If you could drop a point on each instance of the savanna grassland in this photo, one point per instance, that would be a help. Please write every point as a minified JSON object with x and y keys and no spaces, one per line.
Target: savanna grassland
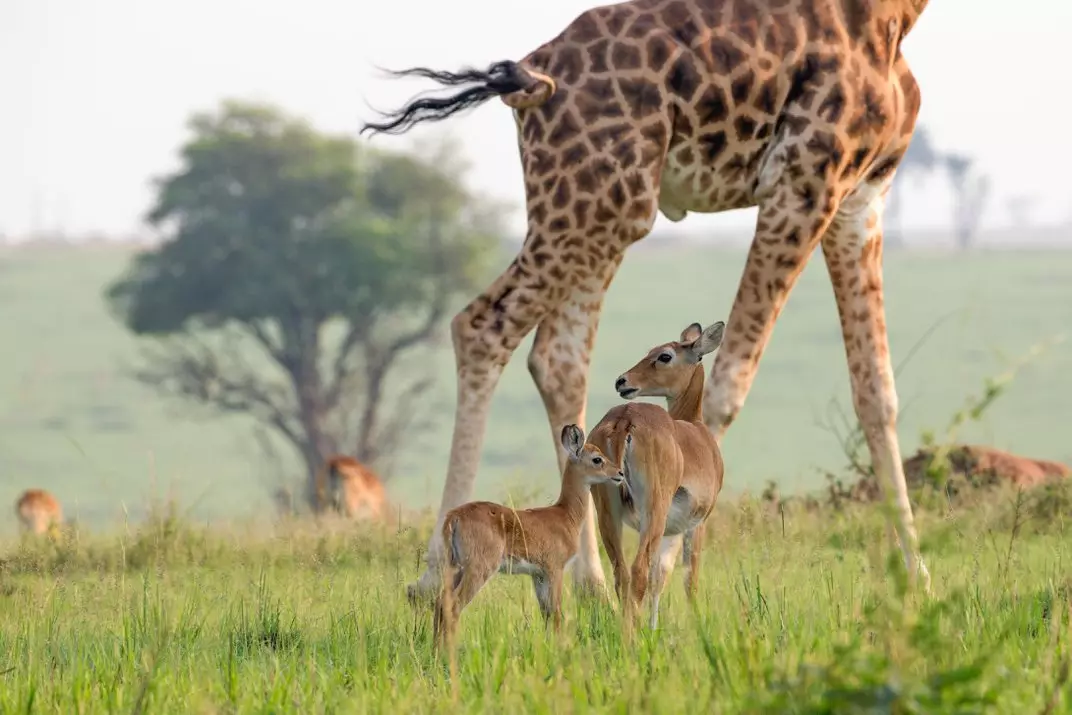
{"x":799,"y":610}
{"x":73,"y":422}
{"x":796,"y":613}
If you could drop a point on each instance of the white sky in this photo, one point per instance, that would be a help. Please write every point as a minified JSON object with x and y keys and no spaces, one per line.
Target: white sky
{"x":94,"y":94}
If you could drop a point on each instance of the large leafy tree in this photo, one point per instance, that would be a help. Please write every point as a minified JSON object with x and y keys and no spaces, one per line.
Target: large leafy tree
{"x":297,"y":271}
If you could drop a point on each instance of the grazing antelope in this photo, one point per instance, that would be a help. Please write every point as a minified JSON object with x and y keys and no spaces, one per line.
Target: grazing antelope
{"x":39,"y":512}
{"x":353,"y":489}
{"x":673,"y":467}
{"x":483,"y":538}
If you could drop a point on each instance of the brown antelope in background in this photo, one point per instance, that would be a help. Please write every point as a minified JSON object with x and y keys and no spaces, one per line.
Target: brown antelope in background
{"x":483,"y":538}
{"x":39,"y":512}
{"x":352,"y":488}
{"x":673,"y":467}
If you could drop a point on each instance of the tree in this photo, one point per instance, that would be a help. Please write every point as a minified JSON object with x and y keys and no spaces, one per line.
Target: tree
{"x":970,"y":193}
{"x":297,"y":271}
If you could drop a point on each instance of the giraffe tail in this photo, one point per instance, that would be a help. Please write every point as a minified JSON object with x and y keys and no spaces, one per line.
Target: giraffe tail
{"x":518,"y":86}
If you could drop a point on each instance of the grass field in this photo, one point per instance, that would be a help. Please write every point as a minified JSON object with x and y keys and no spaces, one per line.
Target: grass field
{"x":72,"y":422}
{"x":797,"y":611}
{"x":794,"y":615}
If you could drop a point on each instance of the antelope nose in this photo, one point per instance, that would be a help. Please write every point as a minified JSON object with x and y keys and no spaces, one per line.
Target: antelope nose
{"x":621,"y":473}
{"x":620,"y":383}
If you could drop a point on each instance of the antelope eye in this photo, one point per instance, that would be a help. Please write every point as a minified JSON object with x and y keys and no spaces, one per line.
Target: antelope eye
{"x":597,"y":460}
{"x":665,"y":358}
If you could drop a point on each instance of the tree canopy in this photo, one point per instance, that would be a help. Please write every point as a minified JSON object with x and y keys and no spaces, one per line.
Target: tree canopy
{"x":318,"y":258}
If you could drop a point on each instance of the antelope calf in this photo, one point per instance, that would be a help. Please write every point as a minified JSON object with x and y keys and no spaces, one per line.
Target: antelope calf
{"x":483,"y":538}
{"x":39,"y":512}
{"x":673,"y":467}
{"x":353,"y":489}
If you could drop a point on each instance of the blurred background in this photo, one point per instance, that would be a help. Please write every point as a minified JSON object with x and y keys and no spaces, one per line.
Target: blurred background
{"x":304,"y":310}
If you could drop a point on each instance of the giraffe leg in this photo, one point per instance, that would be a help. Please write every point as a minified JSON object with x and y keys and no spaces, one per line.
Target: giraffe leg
{"x":792,"y":219}
{"x":852,"y":248}
{"x":559,"y":362}
{"x":485,"y":335}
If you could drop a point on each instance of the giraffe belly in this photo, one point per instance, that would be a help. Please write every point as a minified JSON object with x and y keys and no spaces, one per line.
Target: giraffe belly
{"x":686,"y":187}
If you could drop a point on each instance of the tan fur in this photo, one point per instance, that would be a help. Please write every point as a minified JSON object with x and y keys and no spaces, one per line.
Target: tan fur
{"x":989,"y":464}
{"x":351,"y":488}
{"x":803,"y":109}
{"x":483,"y":538}
{"x":673,"y":466}
{"x":39,"y":512}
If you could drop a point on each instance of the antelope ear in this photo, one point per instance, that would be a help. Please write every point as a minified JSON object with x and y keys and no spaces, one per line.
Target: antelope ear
{"x":573,"y":440}
{"x":691,"y":333}
{"x":707,"y":342}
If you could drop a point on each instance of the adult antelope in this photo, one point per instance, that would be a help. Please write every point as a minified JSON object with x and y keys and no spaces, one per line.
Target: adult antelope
{"x":483,"y":538}
{"x":673,"y":467}
{"x":39,"y":512}
{"x":352,"y":488}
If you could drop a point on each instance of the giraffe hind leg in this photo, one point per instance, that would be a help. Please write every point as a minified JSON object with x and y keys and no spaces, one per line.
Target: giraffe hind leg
{"x":852,"y":250}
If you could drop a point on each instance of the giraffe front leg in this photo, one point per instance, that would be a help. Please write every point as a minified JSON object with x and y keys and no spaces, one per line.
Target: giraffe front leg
{"x":853,"y":252}
{"x":559,"y":364}
{"x":792,"y":218}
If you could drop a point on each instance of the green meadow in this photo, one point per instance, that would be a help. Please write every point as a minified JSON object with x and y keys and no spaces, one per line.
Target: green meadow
{"x":72,"y":421}
{"x":172,"y":593}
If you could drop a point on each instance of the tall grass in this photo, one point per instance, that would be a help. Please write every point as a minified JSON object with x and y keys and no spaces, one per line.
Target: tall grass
{"x":798,"y":611}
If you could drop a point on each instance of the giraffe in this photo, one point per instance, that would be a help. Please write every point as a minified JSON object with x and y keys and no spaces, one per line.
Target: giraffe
{"x":800,"y":108}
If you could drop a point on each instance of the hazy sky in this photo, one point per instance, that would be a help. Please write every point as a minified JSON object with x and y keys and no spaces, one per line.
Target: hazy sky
{"x":95,"y":93}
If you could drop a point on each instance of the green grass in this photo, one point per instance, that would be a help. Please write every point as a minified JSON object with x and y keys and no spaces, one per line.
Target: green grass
{"x":71,"y":421}
{"x":793,"y":616}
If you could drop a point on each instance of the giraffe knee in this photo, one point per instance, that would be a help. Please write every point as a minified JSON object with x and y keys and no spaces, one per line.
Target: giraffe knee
{"x":876,"y":409}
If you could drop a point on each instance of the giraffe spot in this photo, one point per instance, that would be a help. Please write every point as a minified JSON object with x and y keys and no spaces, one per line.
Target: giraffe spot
{"x":713,"y":145}
{"x":723,"y":56}
{"x":833,"y":105}
{"x":566,"y":129}
{"x":541,"y":162}
{"x":617,"y":194}
{"x":764,"y":130}
{"x":858,"y":158}
{"x":746,"y":127}
{"x":884,"y":168}
{"x":680,"y":22}
{"x":766,"y":98}
{"x":559,"y":224}
{"x":586,"y":181}
{"x":658,"y":53}
{"x":580,"y":212}
{"x":567,"y":65}
{"x":685,"y":157}
{"x":806,"y":195}
{"x":584,"y":28}
{"x":712,"y":106}
{"x":742,"y":87}
{"x":561,"y":198}
{"x":793,"y":237}
{"x":574,"y":155}
{"x":781,"y":38}
{"x":615,"y":18}
{"x":625,"y":56}
{"x":683,"y":79}
{"x":735,"y":169}
{"x":641,"y":95}
{"x":596,"y":100}
{"x":746,"y":26}
{"x":603,"y":169}
{"x":640,"y":27}
{"x":603,"y":214}
{"x":532,"y":129}
{"x":826,"y":148}
{"x":597,"y":56}
{"x":872,"y":114}
{"x":635,"y":185}
{"x":538,"y":212}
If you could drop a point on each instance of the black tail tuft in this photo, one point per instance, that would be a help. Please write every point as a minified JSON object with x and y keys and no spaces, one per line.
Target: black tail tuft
{"x":497,"y":80}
